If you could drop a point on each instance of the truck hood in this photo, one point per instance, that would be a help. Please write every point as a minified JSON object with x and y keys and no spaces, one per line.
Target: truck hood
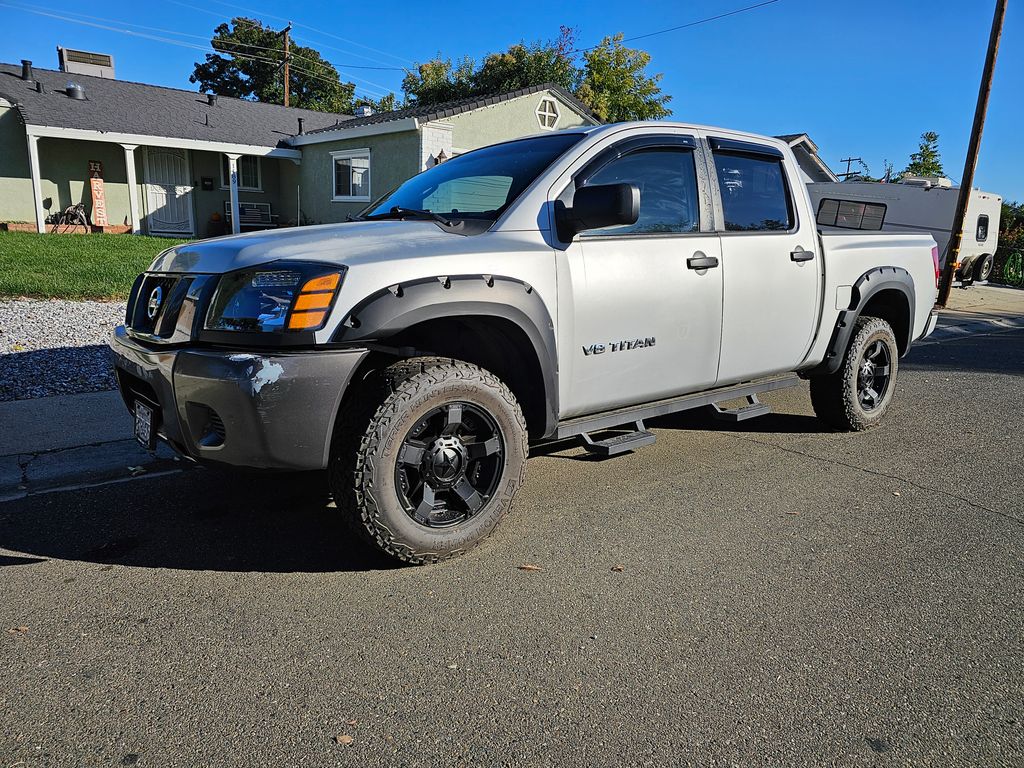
{"x":348,"y":244}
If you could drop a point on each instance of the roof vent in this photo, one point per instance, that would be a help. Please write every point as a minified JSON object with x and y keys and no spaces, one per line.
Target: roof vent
{"x":75,"y":91}
{"x":77,"y":62}
{"x":39,"y":87}
{"x":300,"y":126}
{"x":364,"y":111}
{"x":26,"y":70}
{"x":211,"y":99}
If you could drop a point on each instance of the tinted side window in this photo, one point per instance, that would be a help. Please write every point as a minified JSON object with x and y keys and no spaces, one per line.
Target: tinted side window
{"x":982,"y":234}
{"x":851,"y":214}
{"x":668,"y":190}
{"x":754,"y":194}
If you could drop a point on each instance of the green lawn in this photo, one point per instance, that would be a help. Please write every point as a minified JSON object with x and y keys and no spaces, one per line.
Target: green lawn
{"x":74,"y":266}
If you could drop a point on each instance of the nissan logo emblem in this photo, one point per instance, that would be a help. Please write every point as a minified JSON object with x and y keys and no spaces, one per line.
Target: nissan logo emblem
{"x":155,"y":299}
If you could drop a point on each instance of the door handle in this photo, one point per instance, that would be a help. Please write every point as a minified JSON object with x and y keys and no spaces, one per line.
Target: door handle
{"x":801,"y":255}
{"x":700,"y":261}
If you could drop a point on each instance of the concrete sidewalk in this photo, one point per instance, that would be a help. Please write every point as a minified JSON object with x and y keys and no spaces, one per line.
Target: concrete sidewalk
{"x":60,"y":442}
{"x":979,"y":309}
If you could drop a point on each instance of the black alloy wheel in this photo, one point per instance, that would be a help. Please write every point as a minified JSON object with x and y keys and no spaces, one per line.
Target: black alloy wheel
{"x":449,"y":464}
{"x":873,"y":375}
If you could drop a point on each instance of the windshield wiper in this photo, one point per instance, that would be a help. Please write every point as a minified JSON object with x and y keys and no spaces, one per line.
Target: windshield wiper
{"x":399,"y":212}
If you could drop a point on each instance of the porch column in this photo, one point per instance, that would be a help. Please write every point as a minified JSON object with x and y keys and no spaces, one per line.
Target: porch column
{"x":133,"y":186}
{"x":236,"y":225}
{"x":37,"y":184}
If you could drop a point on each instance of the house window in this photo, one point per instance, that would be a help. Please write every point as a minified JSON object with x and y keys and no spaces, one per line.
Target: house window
{"x":351,"y":176}
{"x":547,"y":114}
{"x":249,"y":179}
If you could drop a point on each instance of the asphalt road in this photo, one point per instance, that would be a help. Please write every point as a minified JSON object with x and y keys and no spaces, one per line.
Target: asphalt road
{"x":788,"y":596}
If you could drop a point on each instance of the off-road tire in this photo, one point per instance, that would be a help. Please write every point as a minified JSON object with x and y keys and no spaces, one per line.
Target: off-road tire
{"x":835,"y":396}
{"x":369,"y":434}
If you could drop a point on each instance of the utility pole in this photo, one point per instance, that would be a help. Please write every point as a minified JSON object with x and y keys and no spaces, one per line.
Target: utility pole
{"x":967,"y":180}
{"x":849,"y":160}
{"x":287,"y":83}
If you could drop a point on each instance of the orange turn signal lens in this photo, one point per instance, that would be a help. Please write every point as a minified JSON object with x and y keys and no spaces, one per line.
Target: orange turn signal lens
{"x":325,"y":283}
{"x":310,"y":309}
{"x":313,"y":301}
{"x":304,"y":321}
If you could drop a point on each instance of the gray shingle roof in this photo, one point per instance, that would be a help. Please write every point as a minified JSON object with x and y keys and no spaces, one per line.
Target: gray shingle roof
{"x":121,"y":106}
{"x":430,"y":112}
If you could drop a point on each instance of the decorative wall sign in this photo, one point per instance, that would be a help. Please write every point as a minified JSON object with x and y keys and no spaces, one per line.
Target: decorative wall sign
{"x":99,"y":199}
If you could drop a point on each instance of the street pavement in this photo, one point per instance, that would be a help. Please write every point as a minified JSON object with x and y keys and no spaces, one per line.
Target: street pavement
{"x":766,"y":593}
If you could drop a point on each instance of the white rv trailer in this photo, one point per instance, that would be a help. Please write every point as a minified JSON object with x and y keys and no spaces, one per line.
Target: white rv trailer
{"x":915,"y":204}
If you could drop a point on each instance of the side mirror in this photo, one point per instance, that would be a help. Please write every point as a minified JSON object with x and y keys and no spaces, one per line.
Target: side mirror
{"x":603,"y":205}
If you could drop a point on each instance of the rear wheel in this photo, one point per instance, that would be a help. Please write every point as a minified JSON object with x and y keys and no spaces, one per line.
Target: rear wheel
{"x":426,"y":461}
{"x":983,"y":268}
{"x":857,"y":396}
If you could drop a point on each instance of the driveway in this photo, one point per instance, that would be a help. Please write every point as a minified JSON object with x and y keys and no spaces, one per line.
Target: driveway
{"x":761,"y":593}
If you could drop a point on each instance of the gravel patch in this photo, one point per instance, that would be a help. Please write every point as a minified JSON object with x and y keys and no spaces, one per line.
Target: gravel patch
{"x":55,"y":347}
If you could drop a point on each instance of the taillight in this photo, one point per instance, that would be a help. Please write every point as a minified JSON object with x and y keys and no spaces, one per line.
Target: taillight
{"x":935,"y":261}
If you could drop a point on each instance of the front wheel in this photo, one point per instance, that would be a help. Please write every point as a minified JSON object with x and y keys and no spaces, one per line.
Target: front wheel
{"x":856,"y":397}
{"x":428,"y":459}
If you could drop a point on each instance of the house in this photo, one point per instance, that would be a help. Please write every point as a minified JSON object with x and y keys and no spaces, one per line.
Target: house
{"x":177,"y":162}
{"x":806,"y":151}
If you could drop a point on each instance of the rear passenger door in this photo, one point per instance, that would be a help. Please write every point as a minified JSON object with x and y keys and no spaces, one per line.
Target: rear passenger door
{"x":771,"y":270}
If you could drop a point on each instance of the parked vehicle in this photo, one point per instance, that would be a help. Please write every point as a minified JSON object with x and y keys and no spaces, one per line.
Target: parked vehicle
{"x":559,"y":286}
{"x":919,"y":204}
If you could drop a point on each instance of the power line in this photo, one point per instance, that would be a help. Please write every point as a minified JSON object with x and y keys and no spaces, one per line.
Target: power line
{"x":684,"y":26}
{"x":303,"y":26}
{"x":205,"y":48}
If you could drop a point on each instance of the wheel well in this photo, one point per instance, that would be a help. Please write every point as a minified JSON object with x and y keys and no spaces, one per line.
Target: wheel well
{"x":892,"y":306}
{"x":493,"y":343}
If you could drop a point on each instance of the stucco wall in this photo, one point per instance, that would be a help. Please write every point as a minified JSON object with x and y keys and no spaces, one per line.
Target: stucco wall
{"x":280,"y":196}
{"x":64,"y":171}
{"x":508,"y":120}
{"x":15,"y":186}
{"x":393,"y":159}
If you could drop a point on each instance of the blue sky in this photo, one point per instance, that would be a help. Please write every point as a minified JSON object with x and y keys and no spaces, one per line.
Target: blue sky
{"x":862,"y":78}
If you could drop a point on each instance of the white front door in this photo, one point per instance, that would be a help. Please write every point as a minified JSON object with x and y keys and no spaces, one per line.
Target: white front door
{"x":169,"y":192}
{"x":645,"y":298}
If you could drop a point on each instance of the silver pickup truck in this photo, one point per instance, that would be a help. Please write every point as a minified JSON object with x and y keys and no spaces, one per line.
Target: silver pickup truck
{"x":567,"y":285}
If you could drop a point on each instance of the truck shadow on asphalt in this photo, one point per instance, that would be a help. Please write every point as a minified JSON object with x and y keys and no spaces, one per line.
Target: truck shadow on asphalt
{"x":196,"y":520}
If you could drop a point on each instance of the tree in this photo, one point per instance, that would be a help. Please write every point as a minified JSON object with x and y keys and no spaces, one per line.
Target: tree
{"x":439,"y":80}
{"x":610,"y":78}
{"x":926,"y":161}
{"x":615,"y":84}
{"x":248,"y":64}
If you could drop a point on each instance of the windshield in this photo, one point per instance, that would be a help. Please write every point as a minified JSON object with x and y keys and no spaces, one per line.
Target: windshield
{"x":477,"y":185}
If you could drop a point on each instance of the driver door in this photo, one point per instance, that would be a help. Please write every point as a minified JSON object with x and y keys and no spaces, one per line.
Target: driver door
{"x":640,"y":305}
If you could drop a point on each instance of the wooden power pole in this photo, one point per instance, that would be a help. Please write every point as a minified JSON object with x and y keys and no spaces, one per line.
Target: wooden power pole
{"x":287,"y":82}
{"x":967,"y":180}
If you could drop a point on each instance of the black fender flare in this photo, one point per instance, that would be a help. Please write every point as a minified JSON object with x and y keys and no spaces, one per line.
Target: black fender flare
{"x":392,"y":310}
{"x":870,"y":283}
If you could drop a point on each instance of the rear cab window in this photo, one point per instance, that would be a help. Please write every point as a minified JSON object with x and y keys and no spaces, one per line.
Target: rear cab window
{"x":753,"y":187}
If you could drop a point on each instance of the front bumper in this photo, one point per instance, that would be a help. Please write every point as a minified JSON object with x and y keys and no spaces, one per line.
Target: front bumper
{"x":249,"y":409}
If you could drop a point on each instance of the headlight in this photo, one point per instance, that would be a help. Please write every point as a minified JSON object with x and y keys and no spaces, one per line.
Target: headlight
{"x":278,"y":297}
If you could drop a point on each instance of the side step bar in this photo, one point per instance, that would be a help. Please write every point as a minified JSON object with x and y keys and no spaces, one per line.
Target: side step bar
{"x":752,"y":409}
{"x":624,"y":443}
{"x":617,"y":418}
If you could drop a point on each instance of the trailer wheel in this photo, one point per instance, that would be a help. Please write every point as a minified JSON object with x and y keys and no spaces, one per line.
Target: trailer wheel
{"x":856,"y":397}
{"x":427,"y":460}
{"x":983,"y":268}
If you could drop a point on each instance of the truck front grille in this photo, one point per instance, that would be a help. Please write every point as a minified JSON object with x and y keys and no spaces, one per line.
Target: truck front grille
{"x":162,"y":308}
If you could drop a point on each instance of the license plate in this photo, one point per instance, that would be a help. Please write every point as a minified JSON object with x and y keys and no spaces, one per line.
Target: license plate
{"x":144,"y":427}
